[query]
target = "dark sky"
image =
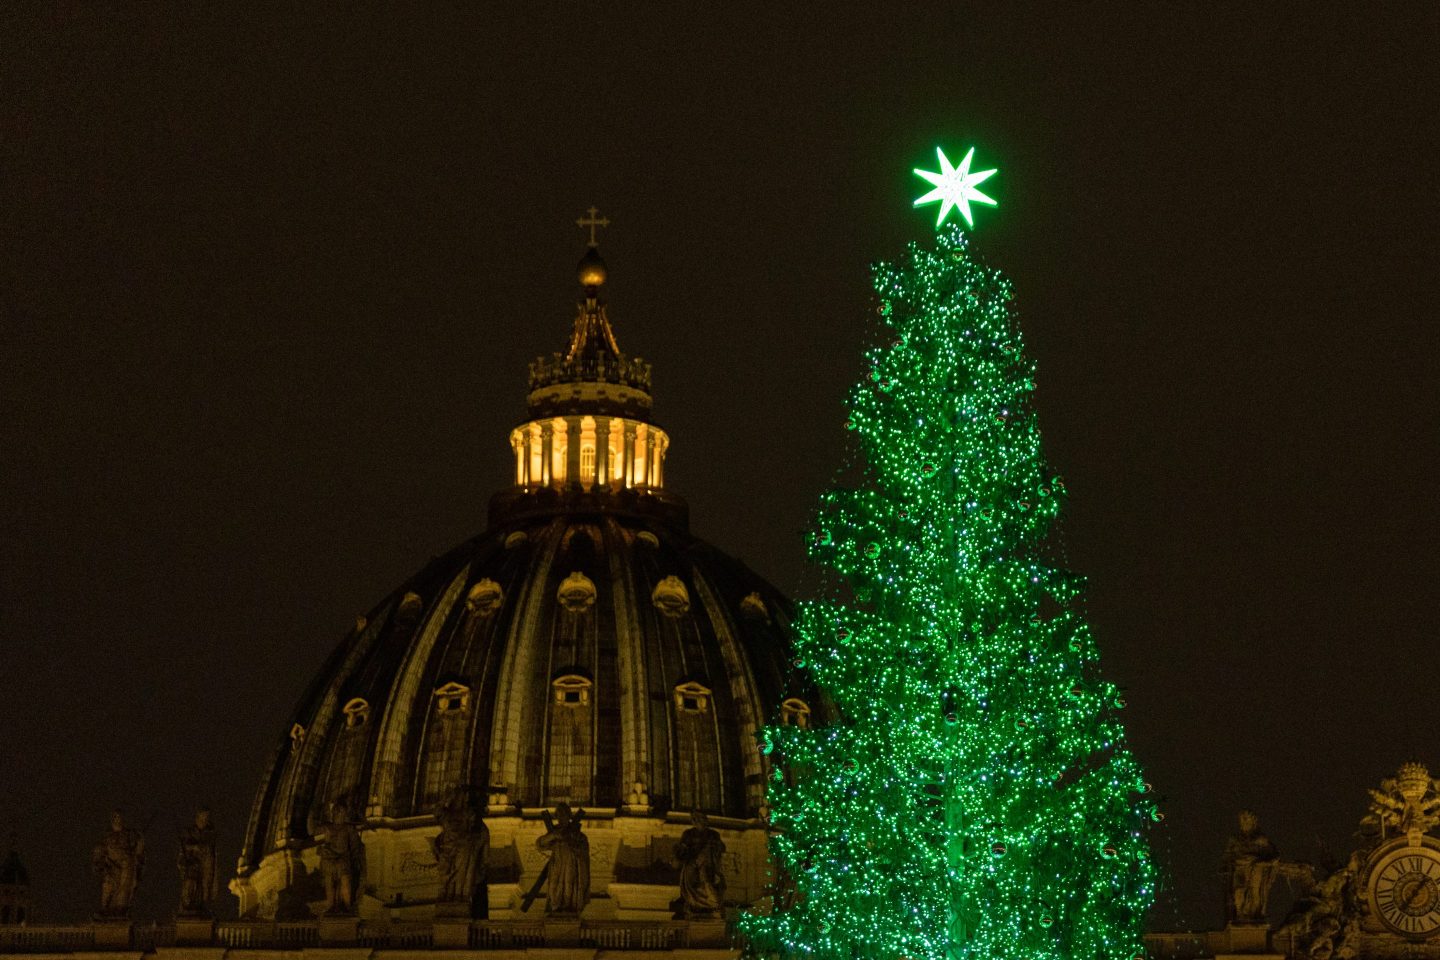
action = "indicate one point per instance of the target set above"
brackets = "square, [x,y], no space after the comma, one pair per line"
[270,285]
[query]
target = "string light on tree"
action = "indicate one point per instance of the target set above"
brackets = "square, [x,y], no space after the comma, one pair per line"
[973,796]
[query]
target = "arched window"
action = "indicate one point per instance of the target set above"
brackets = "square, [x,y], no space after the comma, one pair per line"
[794,712]
[357,713]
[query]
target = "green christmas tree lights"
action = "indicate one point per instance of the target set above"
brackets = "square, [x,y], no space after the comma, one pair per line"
[974,796]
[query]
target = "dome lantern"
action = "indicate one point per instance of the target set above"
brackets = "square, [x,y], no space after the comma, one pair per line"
[590,428]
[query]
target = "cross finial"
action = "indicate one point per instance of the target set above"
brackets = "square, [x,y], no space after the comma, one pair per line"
[592,222]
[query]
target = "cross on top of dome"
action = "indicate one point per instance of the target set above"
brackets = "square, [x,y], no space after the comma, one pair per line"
[591,221]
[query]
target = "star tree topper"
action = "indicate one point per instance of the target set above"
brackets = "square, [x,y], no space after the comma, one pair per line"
[955,187]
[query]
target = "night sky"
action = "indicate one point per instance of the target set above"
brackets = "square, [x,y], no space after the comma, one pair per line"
[270,285]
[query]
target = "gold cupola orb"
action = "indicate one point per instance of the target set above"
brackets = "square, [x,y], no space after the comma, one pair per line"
[592,269]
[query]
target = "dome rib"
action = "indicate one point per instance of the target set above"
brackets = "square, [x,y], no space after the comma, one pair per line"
[396,725]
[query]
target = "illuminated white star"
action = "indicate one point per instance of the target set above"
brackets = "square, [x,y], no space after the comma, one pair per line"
[955,187]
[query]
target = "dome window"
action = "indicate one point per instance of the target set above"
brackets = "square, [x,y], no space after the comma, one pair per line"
[671,598]
[357,713]
[692,697]
[753,607]
[576,593]
[571,690]
[484,598]
[452,698]
[794,712]
[411,606]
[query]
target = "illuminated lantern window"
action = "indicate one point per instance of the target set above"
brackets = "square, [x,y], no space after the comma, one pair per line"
[795,712]
[357,713]
[452,698]
[587,452]
[571,690]
[692,697]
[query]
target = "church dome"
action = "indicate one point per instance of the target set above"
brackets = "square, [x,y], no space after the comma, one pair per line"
[584,649]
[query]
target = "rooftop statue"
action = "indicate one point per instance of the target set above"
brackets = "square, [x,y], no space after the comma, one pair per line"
[118,860]
[196,863]
[702,885]
[460,850]
[567,873]
[341,857]
[1251,862]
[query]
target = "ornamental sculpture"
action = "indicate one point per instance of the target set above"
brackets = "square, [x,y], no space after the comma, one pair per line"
[118,860]
[196,863]
[702,885]
[1251,862]
[1324,923]
[341,857]
[460,851]
[1406,804]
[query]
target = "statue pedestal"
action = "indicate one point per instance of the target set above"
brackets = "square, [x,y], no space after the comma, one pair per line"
[707,933]
[1246,938]
[112,932]
[192,930]
[562,932]
[457,910]
[451,931]
[339,929]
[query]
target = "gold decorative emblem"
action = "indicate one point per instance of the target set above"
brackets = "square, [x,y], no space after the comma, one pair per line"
[1408,803]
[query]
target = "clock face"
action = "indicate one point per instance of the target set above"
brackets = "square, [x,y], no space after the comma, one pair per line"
[1406,891]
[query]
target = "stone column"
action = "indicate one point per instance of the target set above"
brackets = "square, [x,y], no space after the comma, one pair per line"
[574,441]
[628,480]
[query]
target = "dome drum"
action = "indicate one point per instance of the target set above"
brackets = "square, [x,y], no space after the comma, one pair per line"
[652,506]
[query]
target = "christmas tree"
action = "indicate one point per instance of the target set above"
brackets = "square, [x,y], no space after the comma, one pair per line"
[972,794]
